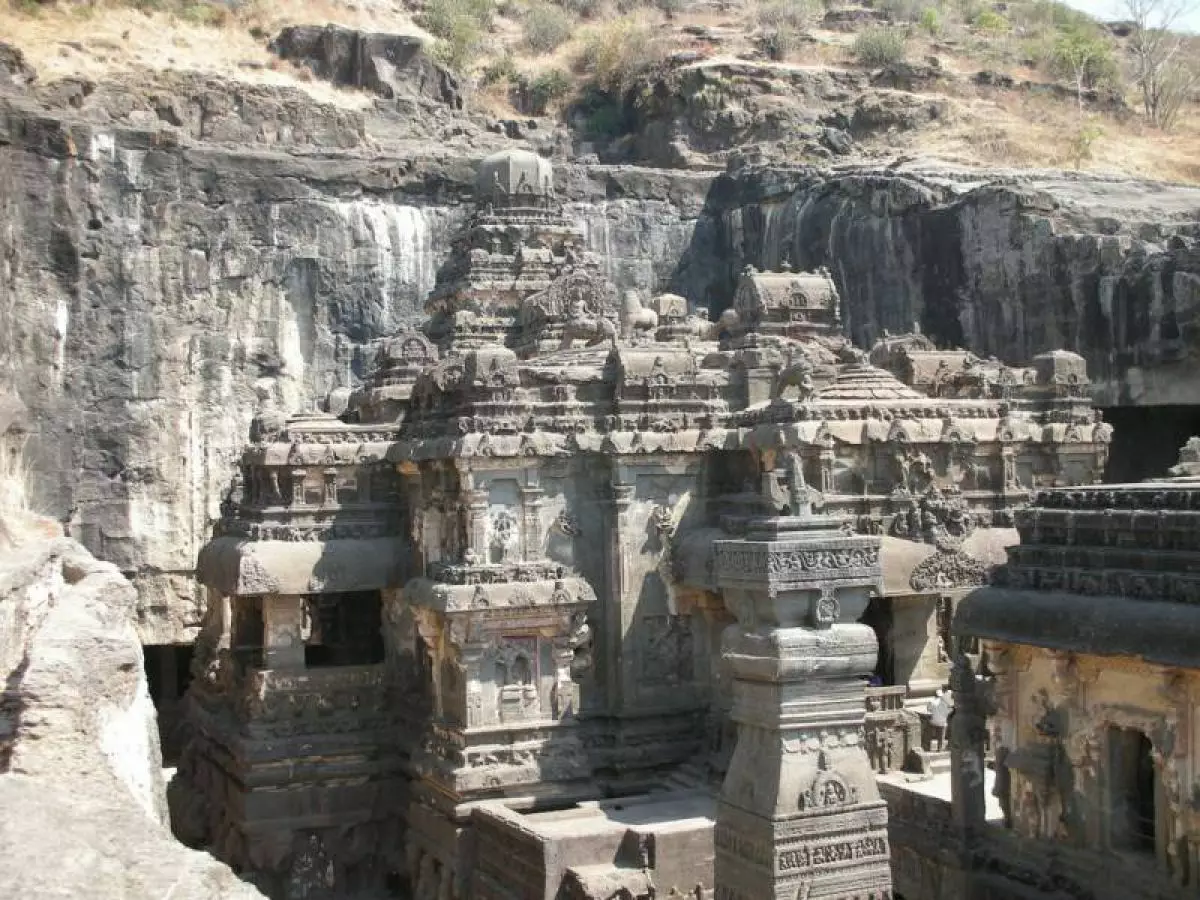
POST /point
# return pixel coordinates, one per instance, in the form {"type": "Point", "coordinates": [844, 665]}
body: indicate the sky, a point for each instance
{"type": "Point", "coordinates": [1113, 9]}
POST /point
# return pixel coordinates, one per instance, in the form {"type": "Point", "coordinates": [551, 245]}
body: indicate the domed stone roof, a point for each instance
{"type": "Point", "coordinates": [515, 173]}
{"type": "Point", "coordinates": [864, 383]}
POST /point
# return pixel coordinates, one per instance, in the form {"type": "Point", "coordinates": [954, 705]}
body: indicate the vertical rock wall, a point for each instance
{"type": "Point", "coordinates": [147, 292]}
{"type": "Point", "coordinates": [1005, 265]}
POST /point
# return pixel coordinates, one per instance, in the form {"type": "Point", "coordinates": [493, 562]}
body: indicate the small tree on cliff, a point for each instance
{"type": "Point", "coordinates": [1164, 66]}
{"type": "Point", "coordinates": [1084, 56]}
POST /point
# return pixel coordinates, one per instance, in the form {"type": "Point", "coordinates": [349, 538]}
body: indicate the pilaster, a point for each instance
{"type": "Point", "coordinates": [800, 814]}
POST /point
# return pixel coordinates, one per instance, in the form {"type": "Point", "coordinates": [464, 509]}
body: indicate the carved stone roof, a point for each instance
{"type": "Point", "coordinates": [856, 384]}
{"type": "Point", "coordinates": [517, 173]}
{"type": "Point", "coordinates": [1104, 569]}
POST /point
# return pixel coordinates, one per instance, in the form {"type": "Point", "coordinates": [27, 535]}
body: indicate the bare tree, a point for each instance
{"type": "Point", "coordinates": [1163, 66]}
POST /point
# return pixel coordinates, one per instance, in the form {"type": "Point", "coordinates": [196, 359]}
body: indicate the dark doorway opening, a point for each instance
{"type": "Point", "coordinates": [1146, 439]}
{"type": "Point", "coordinates": [1131, 790]}
{"type": "Point", "coordinates": [168, 672]}
{"type": "Point", "coordinates": [343, 629]}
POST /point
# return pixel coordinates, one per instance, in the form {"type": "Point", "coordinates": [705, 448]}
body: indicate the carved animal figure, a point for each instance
{"type": "Point", "coordinates": [796, 374]}
{"type": "Point", "coordinates": [636, 318]}
{"type": "Point", "coordinates": [580, 324]}
{"type": "Point", "coordinates": [725, 324]}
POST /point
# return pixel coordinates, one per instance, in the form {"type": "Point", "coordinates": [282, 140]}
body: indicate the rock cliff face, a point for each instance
{"type": "Point", "coordinates": [80, 772]}
{"type": "Point", "coordinates": [1004, 263]}
{"type": "Point", "coordinates": [154, 287]}
{"type": "Point", "coordinates": [171, 253]}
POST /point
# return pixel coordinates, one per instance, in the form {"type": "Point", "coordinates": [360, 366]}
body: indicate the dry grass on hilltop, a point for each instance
{"type": "Point", "coordinates": [100, 38]}
{"type": "Point", "coordinates": [557, 48]}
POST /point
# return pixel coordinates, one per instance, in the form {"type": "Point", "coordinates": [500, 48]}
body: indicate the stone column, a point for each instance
{"type": "Point", "coordinates": [611, 657]}
{"type": "Point", "coordinates": [298, 476]}
{"type": "Point", "coordinates": [800, 815]}
{"type": "Point", "coordinates": [531, 507]}
{"type": "Point", "coordinates": [283, 647]}
{"type": "Point", "coordinates": [968, 732]}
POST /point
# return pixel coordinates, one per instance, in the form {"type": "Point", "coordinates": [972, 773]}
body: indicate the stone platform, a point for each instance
{"type": "Point", "coordinates": [652, 843]}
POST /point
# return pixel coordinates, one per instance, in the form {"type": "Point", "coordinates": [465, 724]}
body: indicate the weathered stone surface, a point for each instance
{"type": "Point", "coordinates": [80, 770]}
{"type": "Point", "coordinates": [390, 65]}
{"type": "Point", "coordinates": [14, 70]}
{"type": "Point", "coordinates": [158, 280]}
{"type": "Point", "coordinates": [205, 108]}
{"type": "Point", "coordinates": [1003, 263]}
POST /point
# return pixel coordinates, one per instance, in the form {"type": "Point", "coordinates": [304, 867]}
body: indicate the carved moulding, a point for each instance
{"type": "Point", "coordinates": [949, 569]}
{"type": "Point", "coordinates": [828, 790]}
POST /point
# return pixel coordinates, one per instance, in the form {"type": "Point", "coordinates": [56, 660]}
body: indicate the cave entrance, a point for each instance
{"type": "Point", "coordinates": [1146, 439]}
{"type": "Point", "coordinates": [168, 672]}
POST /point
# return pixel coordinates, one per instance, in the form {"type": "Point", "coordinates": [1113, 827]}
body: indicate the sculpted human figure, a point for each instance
{"type": "Point", "coordinates": [939, 716]}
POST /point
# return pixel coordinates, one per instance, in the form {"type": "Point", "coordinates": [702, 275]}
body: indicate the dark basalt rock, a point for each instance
{"type": "Point", "coordinates": [14, 70]}
{"type": "Point", "coordinates": [390, 65]}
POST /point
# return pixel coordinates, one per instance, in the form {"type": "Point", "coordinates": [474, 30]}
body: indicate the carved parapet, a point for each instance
{"type": "Point", "coordinates": [488, 594]}
{"type": "Point", "coordinates": [319, 701]}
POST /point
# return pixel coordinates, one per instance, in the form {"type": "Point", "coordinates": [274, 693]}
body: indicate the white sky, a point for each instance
{"type": "Point", "coordinates": [1113, 9]}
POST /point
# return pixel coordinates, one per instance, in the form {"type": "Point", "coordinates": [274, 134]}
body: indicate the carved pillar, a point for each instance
{"type": "Point", "coordinates": [612, 657]}
{"type": "Point", "coordinates": [477, 522]}
{"type": "Point", "coordinates": [298, 486]}
{"type": "Point", "coordinates": [800, 814]}
{"type": "Point", "coordinates": [968, 730]}
{"type": "Point", "coordinates": [531, 506]}
{"type": "Point", "coordinates": [283, 646]}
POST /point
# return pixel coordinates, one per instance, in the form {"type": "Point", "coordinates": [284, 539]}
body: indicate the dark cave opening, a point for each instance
{"type": "Point", "coordinates": [1146, 439]}
{"type": "Point", "coordinates": [168, 672]}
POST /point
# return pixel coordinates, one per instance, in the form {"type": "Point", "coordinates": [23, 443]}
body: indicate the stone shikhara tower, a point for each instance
{"type": "Point", "coordinates": [469, 630]}
{"type": "Point", "coordinates": [799, 814]}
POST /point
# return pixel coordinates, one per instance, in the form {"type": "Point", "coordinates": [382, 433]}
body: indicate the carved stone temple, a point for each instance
{"type": "Point", "coordinates": [581, 594]}
{"type": "Point", "coordinates": [1081, 685]}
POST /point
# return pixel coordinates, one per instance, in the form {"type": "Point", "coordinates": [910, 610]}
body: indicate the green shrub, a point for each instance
{"type": "Point", "coordinates": [445, 18]}
{"type": "Point", "coordinates": [616, 52]}
{"type": "Point", "coordinates": [460, 26]}
{"type": "Point", "coordinates": [502, 69]}
{"type": "Point", "coordinates": [546, 89]}
{"type": "Point", "coordinates": [877, 47]}
{"type": "Point", "coordinates": [931, 21]}
{"type": "Point", "coordinates": [461, 46]}
{"type": "Point", "coordinates": [212, 14]}
{"type": "Point", "coordinates": [990, 21]}
{"type": "Point", "coordinates": [547, 27]}
{"type": "Point", "coordinates": [1082, 141]}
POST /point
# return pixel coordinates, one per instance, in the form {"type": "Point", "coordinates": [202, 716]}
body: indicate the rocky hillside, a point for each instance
{"type": "Point", "coordinates": [196, 214]}
{"type": "Point", "coordinates": [80, 774]}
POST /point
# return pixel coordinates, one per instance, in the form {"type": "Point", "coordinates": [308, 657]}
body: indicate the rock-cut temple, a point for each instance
{"type": "Point", "coordinates": [586, 594]}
